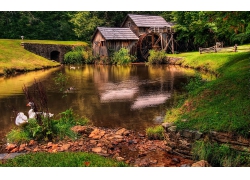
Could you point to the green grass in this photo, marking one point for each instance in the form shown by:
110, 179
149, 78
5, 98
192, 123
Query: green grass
221, 104
13, 57
56, 42
156, 132
220, 155
61, 159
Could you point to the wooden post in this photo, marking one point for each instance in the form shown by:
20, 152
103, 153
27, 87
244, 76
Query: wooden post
172, 41
235, 48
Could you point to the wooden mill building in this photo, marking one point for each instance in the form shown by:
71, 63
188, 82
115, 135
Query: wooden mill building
138, 33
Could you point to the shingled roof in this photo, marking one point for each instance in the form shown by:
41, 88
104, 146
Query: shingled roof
117, 33
148, 21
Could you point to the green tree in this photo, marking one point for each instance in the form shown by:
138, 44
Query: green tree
85, 23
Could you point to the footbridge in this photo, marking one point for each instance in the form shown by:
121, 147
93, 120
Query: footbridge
54, 52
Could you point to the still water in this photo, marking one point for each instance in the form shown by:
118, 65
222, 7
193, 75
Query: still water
134, 97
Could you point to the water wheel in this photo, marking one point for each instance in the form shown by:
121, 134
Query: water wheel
147, 42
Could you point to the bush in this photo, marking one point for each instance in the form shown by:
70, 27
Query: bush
79, 55
155, 132
50, 128
156, 57
18, 136
122, 57
73, 57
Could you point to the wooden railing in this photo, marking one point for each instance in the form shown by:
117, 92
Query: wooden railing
218, 48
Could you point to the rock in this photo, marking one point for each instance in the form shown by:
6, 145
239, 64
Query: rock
153, 161
65, 147
80, 143
119, 158
120, 131
197, 135
187, 134
14, 150
92, 141
126, 133
96, 134
97, 150
167, 125
185, 165
171, 129
35, 149
22, 147
32, 143
201, 163
49, 144
10, 147
175, 161
118, 137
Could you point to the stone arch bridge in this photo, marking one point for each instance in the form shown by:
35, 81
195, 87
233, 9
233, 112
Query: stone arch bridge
54, 52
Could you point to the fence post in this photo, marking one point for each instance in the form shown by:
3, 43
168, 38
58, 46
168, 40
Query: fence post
235, 47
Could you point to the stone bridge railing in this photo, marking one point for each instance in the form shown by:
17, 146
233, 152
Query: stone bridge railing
49, 51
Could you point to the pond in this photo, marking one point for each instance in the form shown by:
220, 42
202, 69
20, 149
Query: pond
134, 97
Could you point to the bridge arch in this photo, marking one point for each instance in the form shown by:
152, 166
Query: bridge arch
55, 55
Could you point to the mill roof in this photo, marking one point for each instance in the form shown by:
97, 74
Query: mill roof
116, 33
148, 21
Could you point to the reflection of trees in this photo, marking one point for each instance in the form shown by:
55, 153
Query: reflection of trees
13, 85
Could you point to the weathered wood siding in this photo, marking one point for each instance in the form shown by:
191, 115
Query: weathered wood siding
130, 24
99, 45
116, 45
104, 47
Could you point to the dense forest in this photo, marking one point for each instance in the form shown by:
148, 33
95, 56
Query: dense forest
194, 29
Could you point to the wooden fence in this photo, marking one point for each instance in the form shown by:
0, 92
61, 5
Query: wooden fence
218, 47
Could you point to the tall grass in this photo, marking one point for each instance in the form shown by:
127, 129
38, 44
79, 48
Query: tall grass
156, 133
220, 155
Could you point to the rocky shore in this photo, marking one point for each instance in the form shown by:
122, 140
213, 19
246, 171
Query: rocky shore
121, 144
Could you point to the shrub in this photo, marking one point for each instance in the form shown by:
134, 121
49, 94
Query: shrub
88, 58
73, 57
122, 57
50, 128
156, 57
18, 136
79, 55
156, 132
8, 71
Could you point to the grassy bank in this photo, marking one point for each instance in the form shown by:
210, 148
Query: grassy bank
63, 159
14, 58
218, 105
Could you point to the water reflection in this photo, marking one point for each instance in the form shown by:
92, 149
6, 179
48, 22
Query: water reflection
149, 101
133, 96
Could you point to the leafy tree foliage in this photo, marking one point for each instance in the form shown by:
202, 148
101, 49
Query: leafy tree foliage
194, 29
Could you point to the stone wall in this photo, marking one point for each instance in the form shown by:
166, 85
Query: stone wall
49, 51
180, 142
